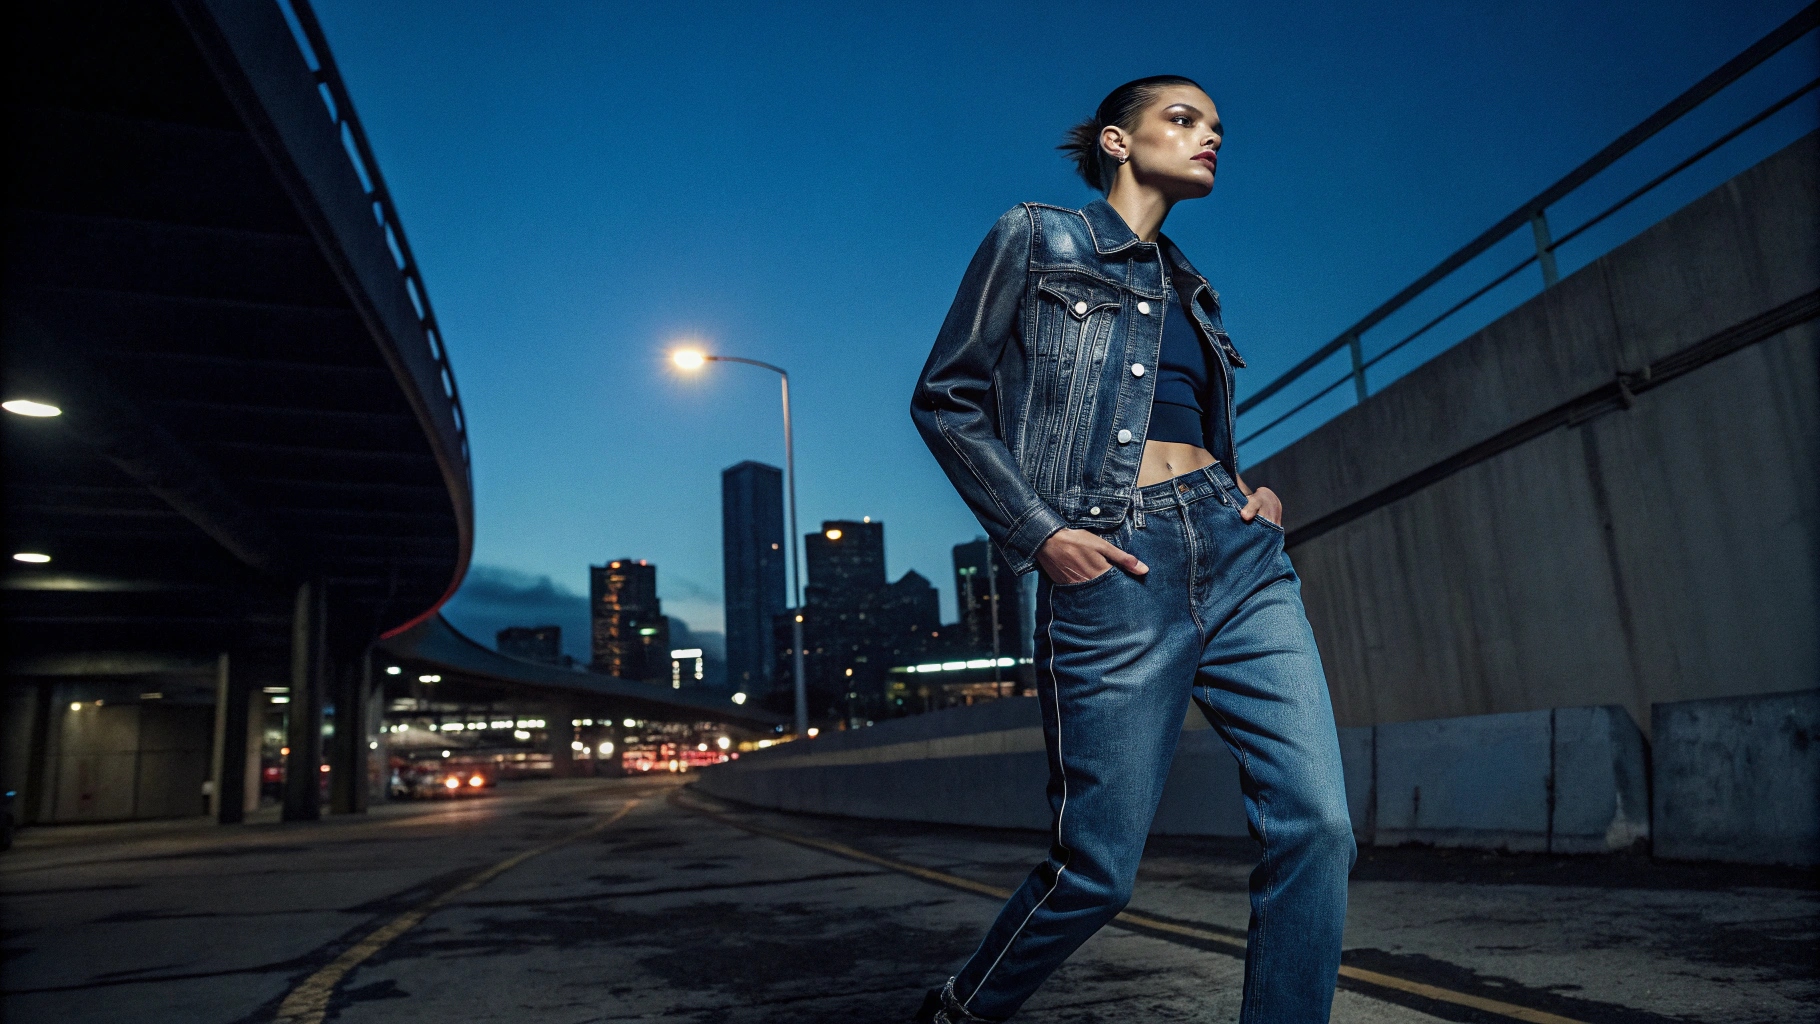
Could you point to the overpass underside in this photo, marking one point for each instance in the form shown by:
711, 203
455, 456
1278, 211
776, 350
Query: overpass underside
258, 468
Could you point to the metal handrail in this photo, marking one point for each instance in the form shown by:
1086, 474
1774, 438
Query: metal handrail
315, 47
1535, 214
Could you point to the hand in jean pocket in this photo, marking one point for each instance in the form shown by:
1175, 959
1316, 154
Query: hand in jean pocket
1264, 502
1076, 556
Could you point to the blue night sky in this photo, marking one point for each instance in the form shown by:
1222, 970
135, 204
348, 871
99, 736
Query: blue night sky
586, 184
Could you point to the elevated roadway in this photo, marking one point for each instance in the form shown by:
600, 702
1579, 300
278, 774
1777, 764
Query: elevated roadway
260, 468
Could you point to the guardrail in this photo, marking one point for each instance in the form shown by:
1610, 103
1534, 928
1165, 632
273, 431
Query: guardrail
1535, 214
315, 47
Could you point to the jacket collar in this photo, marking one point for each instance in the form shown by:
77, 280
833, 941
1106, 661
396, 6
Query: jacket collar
1112, 235
1110, 232
1180, 267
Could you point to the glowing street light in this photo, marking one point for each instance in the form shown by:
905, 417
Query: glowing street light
27, 407
694, 359
32, 557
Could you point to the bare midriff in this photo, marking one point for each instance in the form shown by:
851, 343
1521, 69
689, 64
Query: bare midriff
1164, 460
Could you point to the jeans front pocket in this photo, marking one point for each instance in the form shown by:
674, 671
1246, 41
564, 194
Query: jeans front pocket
1111, 571
1119, 537
1240, 500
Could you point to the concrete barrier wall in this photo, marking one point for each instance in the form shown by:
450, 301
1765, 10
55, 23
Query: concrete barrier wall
1571, 780
1738, 779
984, 765
1568, 780
1602, 563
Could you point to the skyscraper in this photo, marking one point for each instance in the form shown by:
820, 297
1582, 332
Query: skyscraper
846, 562
980, 574
855, 625
752, 558
630, 634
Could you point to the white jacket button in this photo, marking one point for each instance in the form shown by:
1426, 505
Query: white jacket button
1137, 369
1094, 511
1080, 309
1144, 308
1124, 437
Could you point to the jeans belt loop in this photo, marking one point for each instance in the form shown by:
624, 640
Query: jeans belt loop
1137, 507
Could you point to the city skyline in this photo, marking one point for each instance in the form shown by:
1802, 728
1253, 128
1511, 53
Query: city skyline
497, 602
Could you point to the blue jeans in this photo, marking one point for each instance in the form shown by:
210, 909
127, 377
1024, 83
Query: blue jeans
1218, 617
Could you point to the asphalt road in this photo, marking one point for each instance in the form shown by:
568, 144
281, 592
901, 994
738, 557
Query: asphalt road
635, 900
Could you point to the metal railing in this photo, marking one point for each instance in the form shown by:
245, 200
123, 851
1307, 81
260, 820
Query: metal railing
315, 47
1535, 214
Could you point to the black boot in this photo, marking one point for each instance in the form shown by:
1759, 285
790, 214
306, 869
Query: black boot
931, 1008
942, 1006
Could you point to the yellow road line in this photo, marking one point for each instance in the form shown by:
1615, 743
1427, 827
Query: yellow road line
1130, 919
309, 1001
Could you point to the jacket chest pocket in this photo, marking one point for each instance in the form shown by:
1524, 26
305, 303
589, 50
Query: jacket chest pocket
1070, 309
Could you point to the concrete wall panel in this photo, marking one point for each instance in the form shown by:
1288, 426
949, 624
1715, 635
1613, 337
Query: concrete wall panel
1479, 782
96, 776
1713, 502
1488, 592
1600, 785
1738, 779
174, 745
1663, 552
1569, 780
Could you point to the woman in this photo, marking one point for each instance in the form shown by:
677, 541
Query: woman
1079, 396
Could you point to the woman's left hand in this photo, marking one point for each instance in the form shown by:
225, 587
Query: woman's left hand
1264, 502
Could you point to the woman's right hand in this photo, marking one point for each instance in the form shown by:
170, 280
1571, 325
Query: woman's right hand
1076, 556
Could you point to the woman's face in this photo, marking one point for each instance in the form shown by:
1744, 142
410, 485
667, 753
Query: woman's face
1175, 144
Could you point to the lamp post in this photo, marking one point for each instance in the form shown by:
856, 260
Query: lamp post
692, 359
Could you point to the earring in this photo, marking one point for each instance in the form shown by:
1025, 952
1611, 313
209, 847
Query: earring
1123, 157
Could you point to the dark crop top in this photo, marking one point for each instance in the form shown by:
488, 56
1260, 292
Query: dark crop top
1187, 380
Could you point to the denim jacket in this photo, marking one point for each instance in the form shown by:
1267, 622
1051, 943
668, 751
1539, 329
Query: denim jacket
1032, 399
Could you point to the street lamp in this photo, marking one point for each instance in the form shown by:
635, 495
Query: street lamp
694, 359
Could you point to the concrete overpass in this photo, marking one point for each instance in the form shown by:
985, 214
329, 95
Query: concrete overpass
432, 674
261, 465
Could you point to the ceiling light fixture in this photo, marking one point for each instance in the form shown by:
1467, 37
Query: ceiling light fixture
27, 407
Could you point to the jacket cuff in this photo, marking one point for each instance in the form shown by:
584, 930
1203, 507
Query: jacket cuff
1029, 534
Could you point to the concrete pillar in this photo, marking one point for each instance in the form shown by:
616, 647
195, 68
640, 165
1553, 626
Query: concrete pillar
348, 753
252, 779
559, 734
303, 768
227, 769
31, 805
379, 759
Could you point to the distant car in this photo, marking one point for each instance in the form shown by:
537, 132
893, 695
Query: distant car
430, 780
